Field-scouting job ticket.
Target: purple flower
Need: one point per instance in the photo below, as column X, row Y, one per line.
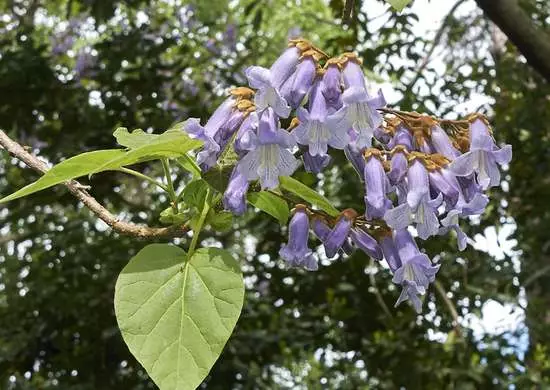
column 450, row 222
column 246, row 135
column 302, row 80
column 315, row 164
column 216, row 132
column 268, row 82
column 359, row 110
column 234, row 197
column 355, row 156
column 332, row 85
column 376, row 187
column 483, row 157
column 267, row 94
column 414, row 269
column 419, row 207
column 269, row 156
column 402, row 141
column 297, row 253
column 313, row 129
column 366, row 243
column 442, row 143
column 338, row 235
column 441, row 185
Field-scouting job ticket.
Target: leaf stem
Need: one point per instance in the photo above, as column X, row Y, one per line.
column 144, row 177
column 197, row 229
column 170, row 188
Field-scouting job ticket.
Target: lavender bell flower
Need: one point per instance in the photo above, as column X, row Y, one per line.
column 376, row 186
column 450, row 222
column 315, row 164
column 313, row 129
column 321, row 230
column 246, row 135
column 297, row 253
column 332, row 84
column 366, row 243
column 419, row 207
column 208, row 155
column 234, row 197
column 339, row 233
column 356, row 158
column 483, row 157
column 401, row 143
column 442, row 144
column 303, row 79
column 268, row 82
column 269, row 156
column 415, row 271
column 359, row 110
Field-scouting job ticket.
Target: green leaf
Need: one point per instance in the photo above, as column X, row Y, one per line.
column 399, row 4
column 169, row 217
column 307, row 194
column 170, row 144
column 271, row 204
column 194, row 193
column 189, row 164
column 135, row 139
column 221, row 221
column 218, row 177
column 71, row 168
column 176, row 315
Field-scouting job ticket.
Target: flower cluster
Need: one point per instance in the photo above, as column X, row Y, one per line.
column 420, row 174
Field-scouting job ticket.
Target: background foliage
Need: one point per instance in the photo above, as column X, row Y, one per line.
column 71, row 71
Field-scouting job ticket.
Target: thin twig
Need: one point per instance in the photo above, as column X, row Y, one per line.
column 435, row 42
column 450, row 305
column 126, row 228
column 348, row 9
column 378, row 296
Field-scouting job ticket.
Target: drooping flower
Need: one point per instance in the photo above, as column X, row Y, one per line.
column 269, row 82
column 366, row 243
column 483, row 157
column 359, row 109
column 450, row 222
column 401, row 143
column 296, row 252
column 376, row 186
column 219, row 129
column 269, row 156
column 303, row 79
column 414, row 270
column 332, row 84
column 442, row 143
column 419, row 208
column 315, row 164
column 338, row 235
column 313, row 130
column 234, row 197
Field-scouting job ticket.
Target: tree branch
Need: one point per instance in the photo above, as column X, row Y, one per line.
column 78, row 190
column 531, row 41
column 434, row 44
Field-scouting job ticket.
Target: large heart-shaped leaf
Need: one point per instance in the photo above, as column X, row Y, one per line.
column 177, row 314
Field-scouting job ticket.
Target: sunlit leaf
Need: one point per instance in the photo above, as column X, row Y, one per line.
column 271, row 204
column 310, row 196
column 72, row 168
column 175, row 314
